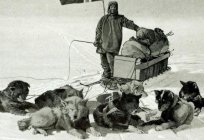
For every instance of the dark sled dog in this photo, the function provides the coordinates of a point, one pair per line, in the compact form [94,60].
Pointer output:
[12,99]
[117,114]
[190,92]
[52,98]
[17,90]
[148,36]
[72,115]
[176,113]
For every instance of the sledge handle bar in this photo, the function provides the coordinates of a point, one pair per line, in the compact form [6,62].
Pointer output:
[81,41]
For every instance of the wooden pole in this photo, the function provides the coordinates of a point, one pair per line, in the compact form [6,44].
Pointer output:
[103,7]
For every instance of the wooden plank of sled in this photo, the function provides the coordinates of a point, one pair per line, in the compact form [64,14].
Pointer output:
[130,68]
[152,62]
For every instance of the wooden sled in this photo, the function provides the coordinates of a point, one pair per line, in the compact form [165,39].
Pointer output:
[132,68]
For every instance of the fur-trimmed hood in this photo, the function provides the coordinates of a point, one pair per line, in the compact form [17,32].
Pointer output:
[112,3]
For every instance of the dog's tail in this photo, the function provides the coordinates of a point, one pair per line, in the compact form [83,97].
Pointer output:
[24,124]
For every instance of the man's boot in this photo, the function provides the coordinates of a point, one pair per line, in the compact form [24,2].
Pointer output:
[106,73]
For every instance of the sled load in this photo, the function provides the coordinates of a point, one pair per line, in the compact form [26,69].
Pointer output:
[143,56]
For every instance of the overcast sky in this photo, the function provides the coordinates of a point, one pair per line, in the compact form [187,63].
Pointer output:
[154,8]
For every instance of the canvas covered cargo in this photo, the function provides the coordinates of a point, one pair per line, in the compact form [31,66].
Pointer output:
[132,48]
[148,43]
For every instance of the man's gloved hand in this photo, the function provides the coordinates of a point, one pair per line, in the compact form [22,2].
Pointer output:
[99,47]
[97,44]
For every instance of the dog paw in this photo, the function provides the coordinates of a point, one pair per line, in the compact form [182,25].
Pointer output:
[35,132]
[175,130]
[95,133]
[30,127]
[75,133]
[41,131]
[159,128]
[139,131]
[45,134]
[29,114]
[142,131]
[80,136]
[197,112]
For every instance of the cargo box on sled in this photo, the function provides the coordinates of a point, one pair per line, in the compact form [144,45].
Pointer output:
[133,68]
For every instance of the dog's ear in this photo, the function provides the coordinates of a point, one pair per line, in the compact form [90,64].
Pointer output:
[28,85]
[157,92]
[12,88]
[139,96]
[195,85]
[183,83]
[158,30]
[123,94]
[84,102]
[81,91]
[170,95]
[63,104]
[144,93]
[119,86]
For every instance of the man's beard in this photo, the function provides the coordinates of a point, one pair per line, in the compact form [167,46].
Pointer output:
[113,12]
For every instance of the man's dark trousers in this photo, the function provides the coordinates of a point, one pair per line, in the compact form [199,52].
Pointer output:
[107,63]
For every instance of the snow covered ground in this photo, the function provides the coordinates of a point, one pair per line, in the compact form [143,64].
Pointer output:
[35,39]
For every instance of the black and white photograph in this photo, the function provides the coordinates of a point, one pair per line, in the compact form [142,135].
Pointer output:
[101,69]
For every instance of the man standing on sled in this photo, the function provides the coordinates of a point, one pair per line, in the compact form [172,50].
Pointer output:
[109,37]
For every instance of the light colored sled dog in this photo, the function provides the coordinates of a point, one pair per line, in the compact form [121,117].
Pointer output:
[72,115]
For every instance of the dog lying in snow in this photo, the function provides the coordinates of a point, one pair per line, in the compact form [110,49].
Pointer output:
[132,87]
[116,114]
[71,115]
[176,113]
[52,98]
[17,90]
[12,99]
[190,92]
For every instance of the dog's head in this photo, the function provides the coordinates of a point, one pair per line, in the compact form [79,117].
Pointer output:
[143,32]
[159,34]
[129,102]
[189,90]
[68,91]
[158,30]
[17,90]
[133,87]
[164,98]
[75,108]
